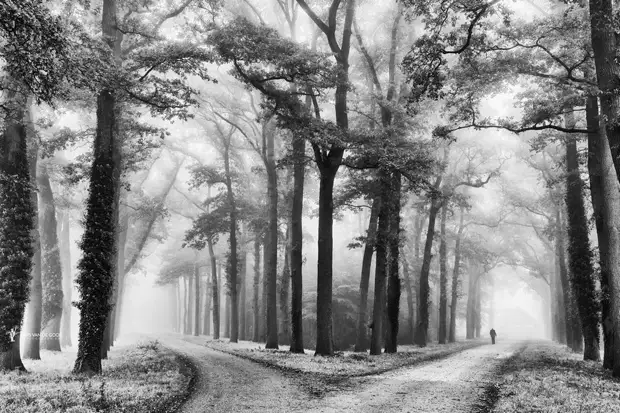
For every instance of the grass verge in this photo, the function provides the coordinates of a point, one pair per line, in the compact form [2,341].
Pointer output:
[547,377]
[142,378]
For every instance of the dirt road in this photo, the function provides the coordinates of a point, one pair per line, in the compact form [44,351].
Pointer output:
[226,383]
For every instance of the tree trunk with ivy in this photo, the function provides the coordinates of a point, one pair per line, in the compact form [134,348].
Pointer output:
[17,221]
[51,274]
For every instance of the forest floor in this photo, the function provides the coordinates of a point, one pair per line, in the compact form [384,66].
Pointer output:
[547,377]
[227,383]
[142,377]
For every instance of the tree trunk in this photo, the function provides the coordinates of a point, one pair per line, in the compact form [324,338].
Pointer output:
[324,333]
[604,44]
[51,269]
[580,254]
[596,192]
[299,168]
[393,288]
[215,290]
[34,307]
[264,289]
[255,299]
[271,276]
[17,221]
[232,317]
[242,294]
[421,333]
[559,299]
[196,299]
[455,276]
[95,278]
[381,264]
[186,299]
[67,279]
[410,304]
[561,257]
[361,342]
[174,306]
[611,228]
[470,317]
[285,285]
[119,294]
[443,277]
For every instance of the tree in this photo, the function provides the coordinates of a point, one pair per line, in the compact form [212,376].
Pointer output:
[52,276]
[16,224]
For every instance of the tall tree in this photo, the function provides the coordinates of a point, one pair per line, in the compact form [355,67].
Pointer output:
[51,269]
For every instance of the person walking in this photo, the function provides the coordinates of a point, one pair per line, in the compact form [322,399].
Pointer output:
[493,335]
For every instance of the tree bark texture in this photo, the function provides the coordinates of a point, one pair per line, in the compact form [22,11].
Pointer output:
[256,296]
[361,342]
[18,220]
[443,277]
[393,287]
[580,255]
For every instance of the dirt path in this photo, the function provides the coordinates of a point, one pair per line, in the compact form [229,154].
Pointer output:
[226,383]
[453,384]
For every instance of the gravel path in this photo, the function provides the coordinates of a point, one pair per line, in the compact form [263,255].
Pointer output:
[226,383]
[453,384]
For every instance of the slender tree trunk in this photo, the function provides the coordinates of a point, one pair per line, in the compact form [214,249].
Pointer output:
[17,221]
[381,266]
[67,279]
[393,288]
[422,326]
[443,277]
[186,299]
[285,285]
[455,276]
[561,309]
[410,303]
[51,274]
[174,306]
[264,289]
[361,342]
[232,315]
[215,290]
[196,299]
[34,307]
[208,300]
[242,294]
[256,297]
[179,307]
[580,254]
[561,257]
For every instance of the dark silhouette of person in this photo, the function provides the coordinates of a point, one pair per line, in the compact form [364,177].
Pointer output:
[493,335]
